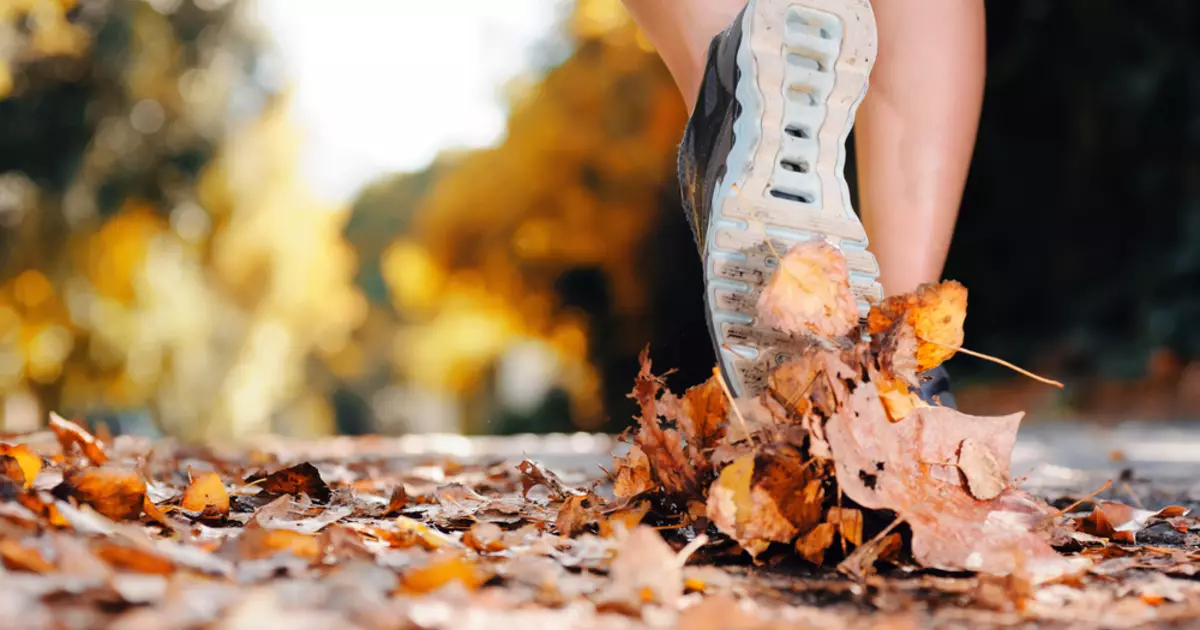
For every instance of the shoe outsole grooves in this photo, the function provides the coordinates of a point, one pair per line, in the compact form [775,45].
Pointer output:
[804,67]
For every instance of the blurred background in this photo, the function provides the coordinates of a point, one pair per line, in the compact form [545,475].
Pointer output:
[220,218]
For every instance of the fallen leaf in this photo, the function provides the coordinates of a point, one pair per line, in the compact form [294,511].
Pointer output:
[16,557]
[623,517]
[296,480]
[153,512]
[704,411]
[206,493]
[768,497]
[534,474]
[135,559]
[633,474]
[71,435]
[485,538]
[1117,521]
[574,515]
[409,532]
[849,523]
[813,545]
[257,543]
[985,476]
[398,501]
[441,572]
[936,313]
[810,293]
[645,570]
[669,465]
[117,493]
[29,463]
[898,466]
[11,468]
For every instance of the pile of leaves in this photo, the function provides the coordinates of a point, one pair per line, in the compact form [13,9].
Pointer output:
[838,459]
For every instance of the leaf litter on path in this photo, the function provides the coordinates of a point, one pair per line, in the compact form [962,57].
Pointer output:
[834,499]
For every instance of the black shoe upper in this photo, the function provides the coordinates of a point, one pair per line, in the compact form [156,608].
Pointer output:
[709,132]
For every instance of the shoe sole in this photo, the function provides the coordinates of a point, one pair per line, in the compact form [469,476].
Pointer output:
[804,68]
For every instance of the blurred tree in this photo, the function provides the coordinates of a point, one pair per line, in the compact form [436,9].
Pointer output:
[158,247]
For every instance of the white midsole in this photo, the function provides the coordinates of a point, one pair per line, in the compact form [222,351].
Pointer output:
[804,67]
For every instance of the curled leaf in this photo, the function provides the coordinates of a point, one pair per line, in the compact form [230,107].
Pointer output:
[117,493]
[28,462]
[299,479]
[206,493]
[936,313]
[71,435]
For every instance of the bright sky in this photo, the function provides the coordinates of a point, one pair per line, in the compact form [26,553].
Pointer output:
[382,85]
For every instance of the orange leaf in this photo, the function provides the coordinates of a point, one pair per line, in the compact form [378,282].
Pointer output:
[153,513]
[18,558]
[574,515]
[440,573]
[70,434]
[126,558]
[206,490]
[29,462]
[117,493]
[935,311]
[258,542]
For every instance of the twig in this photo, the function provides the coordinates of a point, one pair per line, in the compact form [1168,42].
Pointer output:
[1132,495]
[1107,484]
[733,404]
[682,557]
[998,361]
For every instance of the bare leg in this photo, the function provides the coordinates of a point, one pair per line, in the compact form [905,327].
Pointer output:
[681,31]
[916,131]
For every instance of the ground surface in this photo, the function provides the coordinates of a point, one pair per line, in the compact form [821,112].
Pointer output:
[275,543]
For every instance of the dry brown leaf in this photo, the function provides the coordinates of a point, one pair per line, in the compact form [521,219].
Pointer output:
[669,465]
[534,474]
[439,573]
[813,545]
[398,501]
[206,493]
[299,479]
[768,497]
[704,410]
[485,538]
[10,468]
[135,559]
[29,463]
[71,435]
[986,477]
[936,313]
[258,542]
[117,493]
[1121,522]
[899,466]
[623,518]
[645,570]
[633,474]
[16,557]
[897,398]
[574,515]
[849,523]
[410,532]
[810,293]
[154,513]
